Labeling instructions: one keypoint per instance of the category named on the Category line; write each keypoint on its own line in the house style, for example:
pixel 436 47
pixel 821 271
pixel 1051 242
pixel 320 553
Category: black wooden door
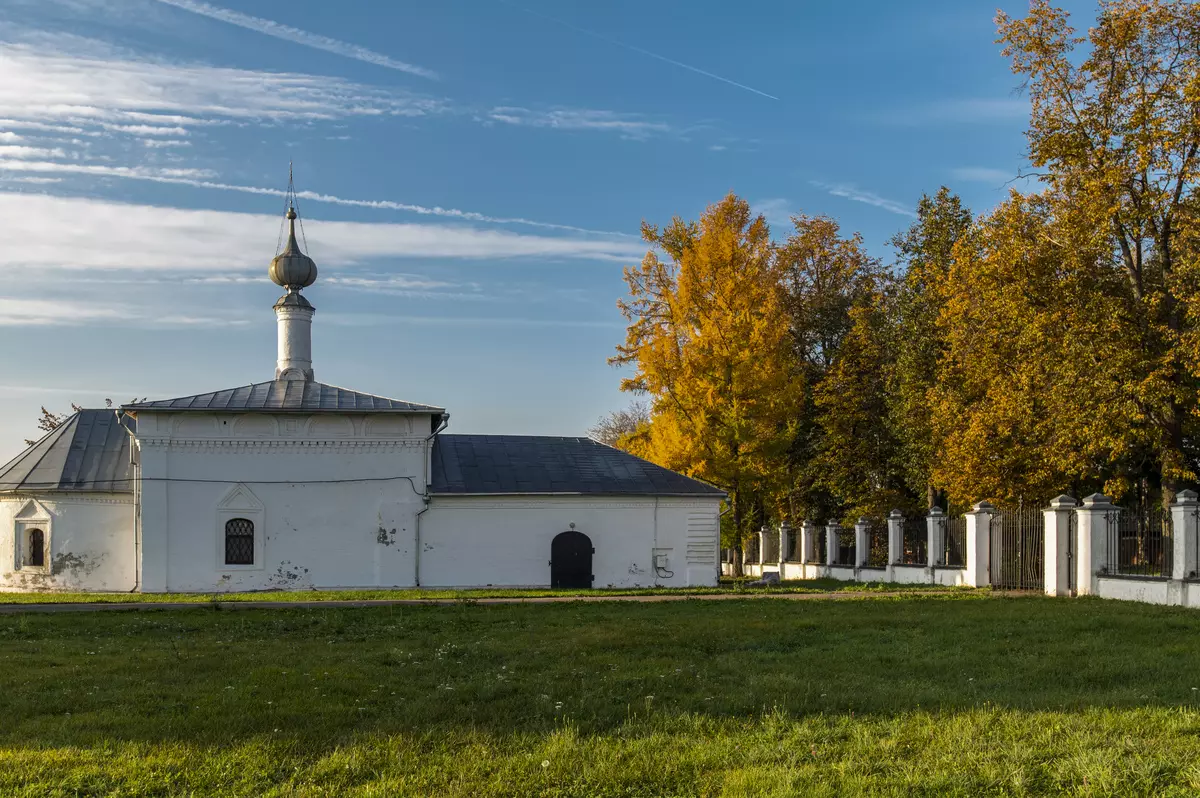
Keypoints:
pixel 571 560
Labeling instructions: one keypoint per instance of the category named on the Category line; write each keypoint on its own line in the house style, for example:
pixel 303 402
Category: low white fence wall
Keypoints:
pixel 1087 549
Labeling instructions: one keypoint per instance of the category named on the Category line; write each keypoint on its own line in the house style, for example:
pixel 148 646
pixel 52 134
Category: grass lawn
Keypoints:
pixel 962 694
pixel 728 585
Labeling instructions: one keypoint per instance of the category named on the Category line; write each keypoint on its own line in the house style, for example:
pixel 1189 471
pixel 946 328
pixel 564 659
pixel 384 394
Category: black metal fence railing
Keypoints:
pixel 843 542
pixel 1139 542
pixel 821 546
pixel 914 549
pixel 793 542
pixel 1018 548
pixel 877 544
pixel 954 542
pixel 752 551
pixel 770 546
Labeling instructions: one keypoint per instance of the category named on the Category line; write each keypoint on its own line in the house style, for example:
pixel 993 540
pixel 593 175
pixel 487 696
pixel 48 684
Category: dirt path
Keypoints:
pixel 12 609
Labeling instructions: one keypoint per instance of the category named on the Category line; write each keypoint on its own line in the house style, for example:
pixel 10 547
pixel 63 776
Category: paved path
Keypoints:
pixel 11 609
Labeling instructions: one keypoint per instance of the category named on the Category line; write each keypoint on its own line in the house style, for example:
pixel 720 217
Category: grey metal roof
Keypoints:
pixel 281 396
pixel 491 464
pixel 87 452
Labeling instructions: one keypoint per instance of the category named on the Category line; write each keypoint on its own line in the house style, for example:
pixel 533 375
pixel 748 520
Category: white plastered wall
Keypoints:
pixel 477 541
pixel 90 541
pixel 334 498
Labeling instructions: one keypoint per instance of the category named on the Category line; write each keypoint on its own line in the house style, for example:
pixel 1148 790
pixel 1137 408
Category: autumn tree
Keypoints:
pixel 48 421
pixel 711 348
pixel 1030 395
pixel 925 253
pixel 1115 134
pixel 619 426
pixel 833 290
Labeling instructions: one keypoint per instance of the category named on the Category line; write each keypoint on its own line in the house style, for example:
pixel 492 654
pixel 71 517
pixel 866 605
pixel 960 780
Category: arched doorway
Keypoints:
pixel 571 560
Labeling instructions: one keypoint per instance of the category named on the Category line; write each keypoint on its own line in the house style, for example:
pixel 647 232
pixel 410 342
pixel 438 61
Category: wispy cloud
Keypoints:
pixel 25 312
pixel 608 39
pixel 376 319
pixel 983 174
pixel 198 179
pixel 776 210
pixel 59 232
pixel 850 192
pixel 8 137
pixel 298 36
pixel 69 84
pixel 965 110
pixel 629 125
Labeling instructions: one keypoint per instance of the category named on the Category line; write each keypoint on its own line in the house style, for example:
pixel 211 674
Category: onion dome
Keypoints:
pixel 291 268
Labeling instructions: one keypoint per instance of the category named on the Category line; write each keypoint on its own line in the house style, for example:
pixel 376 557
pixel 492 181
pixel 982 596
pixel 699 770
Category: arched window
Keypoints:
pixel 239 542
pixel 36 550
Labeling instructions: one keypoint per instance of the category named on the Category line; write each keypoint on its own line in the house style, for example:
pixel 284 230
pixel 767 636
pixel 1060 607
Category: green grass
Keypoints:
pixel 961 694
pixel 736 586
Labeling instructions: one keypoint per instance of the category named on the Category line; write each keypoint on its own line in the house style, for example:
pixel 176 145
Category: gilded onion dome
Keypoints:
pixel 291 268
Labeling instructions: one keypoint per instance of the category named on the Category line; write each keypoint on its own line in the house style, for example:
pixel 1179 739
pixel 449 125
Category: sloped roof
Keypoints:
pixel 281 396
pixel 87 452
pixel 508 464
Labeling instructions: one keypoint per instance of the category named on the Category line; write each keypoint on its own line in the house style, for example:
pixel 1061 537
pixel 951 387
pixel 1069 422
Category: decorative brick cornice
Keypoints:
pixel 269 444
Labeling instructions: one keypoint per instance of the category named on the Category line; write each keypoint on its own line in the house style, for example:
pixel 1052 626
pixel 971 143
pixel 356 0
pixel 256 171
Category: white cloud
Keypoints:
pixel 302 37
pixel 21 151
pixel 850 192
pixel 160 143
pixel 40 181
pixel 8 137
pixel 85 233
pixel 629 125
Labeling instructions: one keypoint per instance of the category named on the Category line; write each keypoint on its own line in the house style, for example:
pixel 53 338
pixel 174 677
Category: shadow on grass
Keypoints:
pixel 322 676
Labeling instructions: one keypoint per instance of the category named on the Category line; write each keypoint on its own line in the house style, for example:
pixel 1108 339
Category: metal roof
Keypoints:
pixel 527 464
pixel 87 452
pixel 281 396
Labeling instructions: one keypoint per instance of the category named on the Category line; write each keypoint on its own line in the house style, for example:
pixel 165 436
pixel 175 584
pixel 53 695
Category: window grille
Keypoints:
pixel 239 542
pixel 37 548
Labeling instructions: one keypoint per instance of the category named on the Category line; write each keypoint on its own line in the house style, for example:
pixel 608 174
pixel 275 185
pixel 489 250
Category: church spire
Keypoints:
pixel 293 270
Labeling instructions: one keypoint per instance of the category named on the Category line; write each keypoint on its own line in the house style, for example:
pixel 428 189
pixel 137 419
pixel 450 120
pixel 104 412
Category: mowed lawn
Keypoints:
pixel 954 695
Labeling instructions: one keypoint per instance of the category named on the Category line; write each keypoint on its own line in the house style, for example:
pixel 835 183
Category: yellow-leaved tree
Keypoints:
pixel 1115 134
pixel 709 342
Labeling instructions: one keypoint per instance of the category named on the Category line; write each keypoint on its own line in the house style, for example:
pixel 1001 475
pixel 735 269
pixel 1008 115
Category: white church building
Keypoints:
pixel 294 484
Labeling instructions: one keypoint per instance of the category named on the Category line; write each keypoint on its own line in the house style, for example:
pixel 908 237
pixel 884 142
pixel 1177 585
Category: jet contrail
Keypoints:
pixel 288 33
pixel 636 49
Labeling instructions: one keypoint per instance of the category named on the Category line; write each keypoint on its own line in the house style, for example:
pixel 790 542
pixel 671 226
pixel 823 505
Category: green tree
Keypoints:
pixel 925 252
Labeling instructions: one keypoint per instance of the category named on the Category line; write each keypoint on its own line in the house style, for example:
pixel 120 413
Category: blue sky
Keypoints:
pixel 475 174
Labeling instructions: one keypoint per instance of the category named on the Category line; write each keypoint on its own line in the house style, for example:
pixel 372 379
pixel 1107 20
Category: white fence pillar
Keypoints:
pixel 807 536
pixel 784 547
pixel 979 544
pixel 1058 545
pixel 832 530
pixel 895 523
pixel 1091 542
pixel 1185 517
pixel 763 535
pixel 935 528
pixel 862 542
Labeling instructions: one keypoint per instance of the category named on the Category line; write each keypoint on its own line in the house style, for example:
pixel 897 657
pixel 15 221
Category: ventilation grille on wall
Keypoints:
pixel 703 537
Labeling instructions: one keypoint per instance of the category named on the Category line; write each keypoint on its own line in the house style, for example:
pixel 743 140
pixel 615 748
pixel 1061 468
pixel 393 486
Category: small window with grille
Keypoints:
pixel 239 541
pixel 35 548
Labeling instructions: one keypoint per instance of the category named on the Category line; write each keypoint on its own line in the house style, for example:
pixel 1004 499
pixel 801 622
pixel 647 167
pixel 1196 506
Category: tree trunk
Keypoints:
pixel 739 555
